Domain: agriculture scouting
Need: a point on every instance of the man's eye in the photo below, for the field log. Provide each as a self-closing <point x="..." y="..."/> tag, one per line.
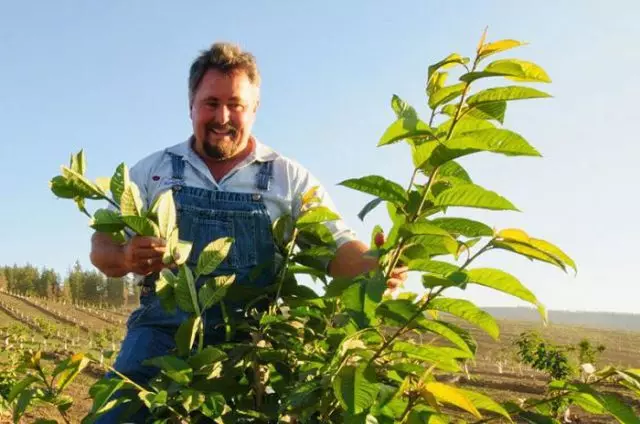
<point x="237" y="106"/>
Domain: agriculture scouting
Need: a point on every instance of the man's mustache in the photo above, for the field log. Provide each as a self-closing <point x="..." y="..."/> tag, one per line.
<point x="221" y="128"/>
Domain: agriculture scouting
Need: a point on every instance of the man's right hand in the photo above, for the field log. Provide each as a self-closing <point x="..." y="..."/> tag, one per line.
<point x="143" y="255"/>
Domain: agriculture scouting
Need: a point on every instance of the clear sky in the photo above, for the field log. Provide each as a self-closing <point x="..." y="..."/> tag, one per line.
<point x="110" y="77"/>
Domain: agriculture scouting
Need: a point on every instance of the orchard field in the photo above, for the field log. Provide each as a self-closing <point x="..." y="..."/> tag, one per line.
<point x="60" y="329"/>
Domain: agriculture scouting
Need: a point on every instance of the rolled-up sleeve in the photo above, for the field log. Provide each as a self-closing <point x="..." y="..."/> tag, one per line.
<point x="303" y="182"/>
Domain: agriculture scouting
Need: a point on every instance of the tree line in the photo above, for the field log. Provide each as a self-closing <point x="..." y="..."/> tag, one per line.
<point x="79" y="285"/>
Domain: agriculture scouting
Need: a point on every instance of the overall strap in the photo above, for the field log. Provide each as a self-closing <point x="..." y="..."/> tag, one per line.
<point x="177" y="170"/>
<point x="264" y="176"/>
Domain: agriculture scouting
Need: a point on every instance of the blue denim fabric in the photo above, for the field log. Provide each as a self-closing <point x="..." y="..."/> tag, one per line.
<point x="203" y="216"/>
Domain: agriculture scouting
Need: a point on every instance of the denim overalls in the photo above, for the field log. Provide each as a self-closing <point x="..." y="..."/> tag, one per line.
<point x="203" y="216"/>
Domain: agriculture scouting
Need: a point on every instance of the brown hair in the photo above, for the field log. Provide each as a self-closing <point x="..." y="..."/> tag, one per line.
<point x="225" y="57"/>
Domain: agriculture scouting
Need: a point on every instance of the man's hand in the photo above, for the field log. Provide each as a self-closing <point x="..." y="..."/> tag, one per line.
<point x="397" y="278"/>
<point x="143" y="255"/>
<point x="350" y="260"/>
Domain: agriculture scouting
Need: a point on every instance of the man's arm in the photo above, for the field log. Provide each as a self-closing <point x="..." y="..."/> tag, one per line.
<point x="140" y="255"/>
<point x="350" y="261"/>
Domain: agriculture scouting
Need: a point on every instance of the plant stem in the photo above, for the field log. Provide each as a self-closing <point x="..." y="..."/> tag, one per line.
<point x="283" y="272"/>
<point x="227" y="325"/>
<point x="423" y="308"/>
<point x="405" y="413"/>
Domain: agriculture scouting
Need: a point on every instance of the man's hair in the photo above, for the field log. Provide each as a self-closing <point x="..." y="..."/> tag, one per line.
<point x="226" y="58"/>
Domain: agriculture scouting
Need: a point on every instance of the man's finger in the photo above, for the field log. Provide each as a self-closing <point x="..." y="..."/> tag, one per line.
<point x="393" y="283"/>
<point x="147" y="241"/>
<point x="143" y="254"/>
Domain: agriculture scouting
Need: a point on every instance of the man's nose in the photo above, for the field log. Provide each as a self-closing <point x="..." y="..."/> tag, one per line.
<point x="222" y="114"/>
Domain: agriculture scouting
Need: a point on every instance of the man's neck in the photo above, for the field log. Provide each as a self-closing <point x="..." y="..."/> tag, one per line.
<point x="220" y="168"/>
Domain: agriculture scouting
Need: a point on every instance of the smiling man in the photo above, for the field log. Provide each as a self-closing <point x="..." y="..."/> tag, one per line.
<point x="225" y="182"/>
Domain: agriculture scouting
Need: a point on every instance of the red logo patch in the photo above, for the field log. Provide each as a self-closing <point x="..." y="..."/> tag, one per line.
<point x="155" y="178"/>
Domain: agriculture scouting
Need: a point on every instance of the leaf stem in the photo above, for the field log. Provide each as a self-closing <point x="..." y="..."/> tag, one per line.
<point x="283" y="272"/>
<point x="423" y="308"/>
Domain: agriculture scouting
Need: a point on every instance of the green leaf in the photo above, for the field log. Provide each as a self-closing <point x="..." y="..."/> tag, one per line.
<point x="81" y="185"/>
<point x="380" y="187"/>
<point x="338" y="285"/>
<point x="61" y="188"/>
<point x="463" y="125"/>
<point x="182" y="249"/>
<point x="106" y="220"/>
<point x="183" y="291"/>
<point x="518" y="70"/>
<point x="498" y="46"/>
<point x="463" y="227"/>
<point x="214" y="290"/>
<point x="453" y="396"/>
<point x="443" y="329"/>
<point x="447" y="62"/>
<point x="103" y="183"/>
<point x="78" y="162"/>
<point x="552" y="250"/>
<point x="208" y="356"/>
<point x="435" y="267"/>
<point x="474" y="196"/>
<point x="402" y="109"/>
<point x="73" y="366"/>
<point x="165" y="292"/>
<point x="191" y="400"/>
<point x="130" y="200"/>
<point x="422" y="228"/>
<point x="316" y="234"/>
<point x="467" y="311"/>
<point x="611" y="403"/>
<point x="369" y="207"/>
<point x="214" y="405"/>
<point x="186" y="334"/>
<point x="506" y="283"/>
<point x="166" y="212"/>
<point x="527" y="251"/>
<point x="20" y="386"/>
<point x="486" y="111"/>
<point x="493" y="140"/>
<point x="212" y="255"/>
<point x="119" y="181"/>
<point x="317" y="215"/>
<point x="141" y="225"/>
<point x="453" y="169"/>
<point x="443" y="357"/>
<point x="356" y="388"/>
<point x="405" y="128"/>
<point x="174" y="368"/>
<point x="21" y="405"/>
<point x="493" y="110"/>
<point x="446" y="94"/>
<point x="102" y="392"/>
<point x="500" y="94"/>
<point x="283" y="230"/>
<point x="485" y="403"/>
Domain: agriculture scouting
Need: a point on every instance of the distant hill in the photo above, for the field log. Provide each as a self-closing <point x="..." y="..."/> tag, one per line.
<point x="601" y="320"/>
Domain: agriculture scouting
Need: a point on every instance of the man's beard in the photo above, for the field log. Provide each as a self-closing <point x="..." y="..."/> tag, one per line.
<point x="222" y="148"/>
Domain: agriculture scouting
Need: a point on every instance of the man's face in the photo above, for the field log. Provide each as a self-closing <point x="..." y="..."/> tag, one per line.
<point x="223" y="112"/>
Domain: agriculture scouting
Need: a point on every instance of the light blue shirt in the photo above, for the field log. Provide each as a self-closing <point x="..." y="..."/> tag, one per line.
<point x="153" y="175"/>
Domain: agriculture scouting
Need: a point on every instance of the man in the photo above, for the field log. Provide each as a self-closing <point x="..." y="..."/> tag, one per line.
<point x="225" y="183"/>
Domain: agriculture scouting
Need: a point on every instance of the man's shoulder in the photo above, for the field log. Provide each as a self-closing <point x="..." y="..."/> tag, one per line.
<point x="155" y="158"/>
<point x="153" y="163"/>
<point x="266" y="153"/>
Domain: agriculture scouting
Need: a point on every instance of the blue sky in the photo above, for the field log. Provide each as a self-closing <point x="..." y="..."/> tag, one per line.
<point x="110" y="77"/>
